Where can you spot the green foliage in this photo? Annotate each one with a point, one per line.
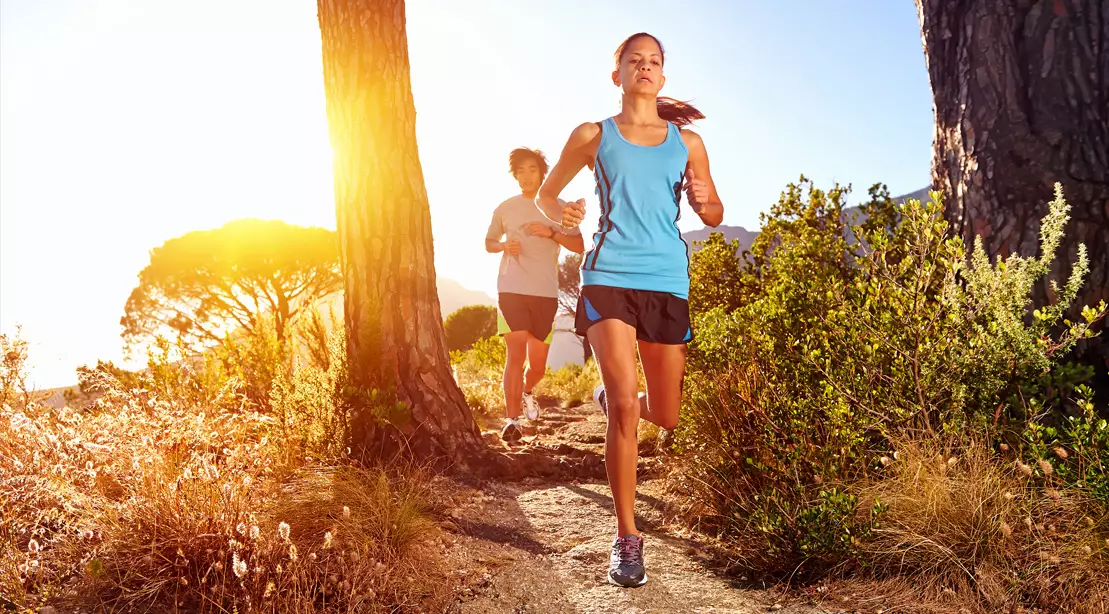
(312, 400)
(469, 325)
(572, 383)
(569, 283)
(717, 280)
(205, 284)
(1071, 450)
(479, 372)
(836, 340)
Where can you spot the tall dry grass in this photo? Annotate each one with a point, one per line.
(974, 530)
(139, 503)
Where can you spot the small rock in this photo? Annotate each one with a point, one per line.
(776, 607)
(48, 609)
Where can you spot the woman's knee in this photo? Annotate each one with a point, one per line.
(623, 412)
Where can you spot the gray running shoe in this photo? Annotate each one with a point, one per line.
(625, 564)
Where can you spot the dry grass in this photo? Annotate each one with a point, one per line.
(141, 504)
(971, 530)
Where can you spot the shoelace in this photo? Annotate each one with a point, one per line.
(628, 549)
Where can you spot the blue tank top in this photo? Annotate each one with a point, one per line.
(637, 245)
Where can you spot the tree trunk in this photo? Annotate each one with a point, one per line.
(394, 327)
(1021, 95)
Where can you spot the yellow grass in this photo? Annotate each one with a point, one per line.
(969, 530)
(140, 503)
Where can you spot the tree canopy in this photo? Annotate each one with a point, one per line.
(206, 283)
(469, 325)
(569, 283)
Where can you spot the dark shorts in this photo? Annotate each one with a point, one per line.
(657, 317)
(521, 312)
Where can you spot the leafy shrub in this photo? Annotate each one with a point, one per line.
(1071, 450)
(468, 325)
(479, 372)
(572, 383)
(312, 401)
(838, 339)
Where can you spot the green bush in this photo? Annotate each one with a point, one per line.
(834, 342)
(479, 372)
(468, 325)
(573, 384)
(1070, 450)
(312, 401)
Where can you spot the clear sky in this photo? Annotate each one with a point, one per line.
(124, 123)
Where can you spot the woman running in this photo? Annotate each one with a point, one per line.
(635, 280)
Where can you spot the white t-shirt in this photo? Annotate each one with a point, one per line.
(534, 271)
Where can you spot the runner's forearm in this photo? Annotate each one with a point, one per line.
(574, 242)
(712, 214)
(493, 247)
(549, 206)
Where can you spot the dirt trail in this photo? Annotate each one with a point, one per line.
(540, 544)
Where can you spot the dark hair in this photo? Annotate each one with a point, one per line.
(674, 111)
(523, 154)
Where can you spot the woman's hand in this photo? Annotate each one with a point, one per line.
(696, 191)
(512, 247)
(573, 214)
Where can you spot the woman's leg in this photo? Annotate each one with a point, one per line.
(613, 344)
(664, 368)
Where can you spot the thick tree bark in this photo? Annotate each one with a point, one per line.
(1021, 95)
(395, 339)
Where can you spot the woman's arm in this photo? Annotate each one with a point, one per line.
(699, 188)
(579, 151)
(574, 242)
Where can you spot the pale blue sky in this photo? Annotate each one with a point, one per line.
(124, 123)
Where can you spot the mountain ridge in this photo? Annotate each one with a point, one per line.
(747, 237)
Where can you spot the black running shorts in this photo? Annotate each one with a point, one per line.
(520, 312)
(657, 317)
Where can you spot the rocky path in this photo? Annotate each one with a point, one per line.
(539, 544)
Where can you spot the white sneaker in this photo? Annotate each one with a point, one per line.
(531, 406)
(600, 400)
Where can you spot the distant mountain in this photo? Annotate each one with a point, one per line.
(731, 233)
(452, 297)
(747, 237)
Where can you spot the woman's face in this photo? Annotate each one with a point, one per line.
(640, 69)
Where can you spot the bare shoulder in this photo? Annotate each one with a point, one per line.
(692, 140)
(585, 132)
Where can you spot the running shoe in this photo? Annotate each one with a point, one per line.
(599, 399)
(625, 564)
(531, 406)
(511, 432)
